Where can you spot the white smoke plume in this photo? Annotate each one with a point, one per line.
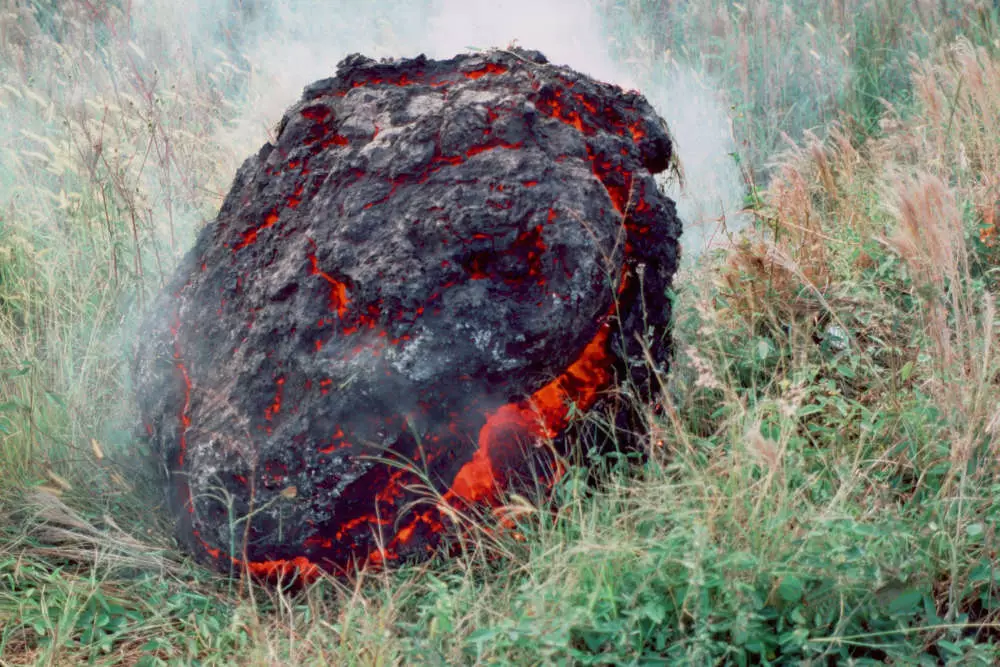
(291, 43)
(122, 124)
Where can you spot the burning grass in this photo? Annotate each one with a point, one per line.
(820, 480)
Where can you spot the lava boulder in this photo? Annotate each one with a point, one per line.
(433, 267)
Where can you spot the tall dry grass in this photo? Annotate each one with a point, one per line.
(785, 68)
(920, 200)
(113, 155)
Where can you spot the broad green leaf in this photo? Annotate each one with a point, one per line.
(790, 588)
(906, 371)
(907, 602)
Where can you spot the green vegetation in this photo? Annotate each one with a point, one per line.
(821, 482)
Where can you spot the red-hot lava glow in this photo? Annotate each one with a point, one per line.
(250, 236)
(338, 289)
(488, 68)
(275, 407)
(543, 415)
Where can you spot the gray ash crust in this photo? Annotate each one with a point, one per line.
(479, 252)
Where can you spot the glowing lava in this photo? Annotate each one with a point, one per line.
(542, 416)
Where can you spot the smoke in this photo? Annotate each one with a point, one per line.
(711, 201)
(577, 34)
(122, 124)
(286, 45)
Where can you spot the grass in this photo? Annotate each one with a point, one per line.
(820, 483)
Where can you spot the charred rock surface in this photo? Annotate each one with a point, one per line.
(429, 266)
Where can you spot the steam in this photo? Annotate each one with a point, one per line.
(123, 124)
(287, 45)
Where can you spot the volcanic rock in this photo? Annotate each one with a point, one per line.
(432, 268)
